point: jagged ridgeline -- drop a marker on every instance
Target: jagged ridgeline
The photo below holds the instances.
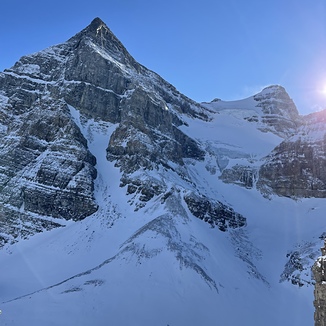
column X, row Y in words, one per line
column 47, row 171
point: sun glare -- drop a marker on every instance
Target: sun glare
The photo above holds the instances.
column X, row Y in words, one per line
column 321, row 91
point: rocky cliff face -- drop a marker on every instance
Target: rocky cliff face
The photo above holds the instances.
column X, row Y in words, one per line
column 47, row 171
column 319, row 269
column 297, row 167
column 279, row 113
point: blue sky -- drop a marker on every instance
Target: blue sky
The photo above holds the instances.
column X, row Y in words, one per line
column 207, row 49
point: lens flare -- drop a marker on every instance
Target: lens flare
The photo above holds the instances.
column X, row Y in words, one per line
column 322, row 89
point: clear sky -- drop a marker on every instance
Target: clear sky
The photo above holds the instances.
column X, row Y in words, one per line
column 207, row 49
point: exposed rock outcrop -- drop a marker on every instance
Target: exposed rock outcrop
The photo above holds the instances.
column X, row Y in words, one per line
column 280, row 114
column 47, row 172
column 245, row 176
column 297, row 167
column 319, row 273
column 297, row 269
column 214, row 213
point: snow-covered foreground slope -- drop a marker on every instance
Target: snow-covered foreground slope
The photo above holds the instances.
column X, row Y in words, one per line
column 159, row 265
column 95, row 273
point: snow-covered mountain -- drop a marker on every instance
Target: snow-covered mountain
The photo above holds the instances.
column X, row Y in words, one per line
column 124, row 202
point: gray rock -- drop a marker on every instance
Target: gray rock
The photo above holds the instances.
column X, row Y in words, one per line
column 214, row 212
column 245, row 176
column 319, row 273
column 297, row 167
column 280, row 113
column 46, row 169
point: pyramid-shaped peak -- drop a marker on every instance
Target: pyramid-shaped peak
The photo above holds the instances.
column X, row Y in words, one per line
column 96, row 27
column 96, row 24
column 99, row 37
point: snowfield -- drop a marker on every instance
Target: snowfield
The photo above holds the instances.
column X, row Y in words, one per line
column 160, row 265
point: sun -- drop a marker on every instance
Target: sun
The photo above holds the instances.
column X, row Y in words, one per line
column 321, row 90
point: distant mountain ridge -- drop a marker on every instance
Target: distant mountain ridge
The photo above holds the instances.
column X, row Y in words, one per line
column 296, row 167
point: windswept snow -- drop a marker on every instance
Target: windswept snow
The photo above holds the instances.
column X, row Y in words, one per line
column 151, row 267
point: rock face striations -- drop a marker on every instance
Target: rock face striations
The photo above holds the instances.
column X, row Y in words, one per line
column 48, row 173
column 319, row 273
column 297, row 167
column 279, row 113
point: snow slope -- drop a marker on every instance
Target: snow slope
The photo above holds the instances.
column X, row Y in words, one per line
column 159, row 265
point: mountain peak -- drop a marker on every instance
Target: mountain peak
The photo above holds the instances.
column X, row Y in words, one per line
column 98, row 35
column 278, row 109
column 275, row 89
column 96, row 25
column 97, row 22
column 97, row 29
column 277, row 93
